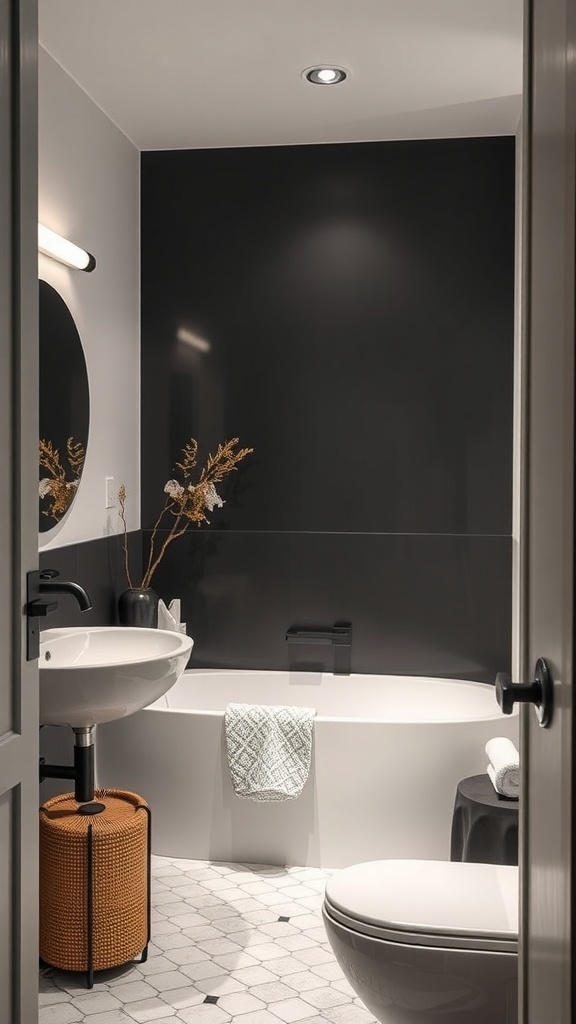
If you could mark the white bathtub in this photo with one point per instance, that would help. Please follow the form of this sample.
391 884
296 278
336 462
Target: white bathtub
388 753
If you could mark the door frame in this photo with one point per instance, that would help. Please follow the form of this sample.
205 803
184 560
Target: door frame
23 450
546 556
19 793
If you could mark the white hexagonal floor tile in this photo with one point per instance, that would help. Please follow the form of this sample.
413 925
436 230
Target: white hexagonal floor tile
233 944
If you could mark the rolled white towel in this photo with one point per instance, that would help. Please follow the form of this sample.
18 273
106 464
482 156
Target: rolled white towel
504 767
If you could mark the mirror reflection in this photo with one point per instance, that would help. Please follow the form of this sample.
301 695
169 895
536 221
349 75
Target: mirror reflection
64 408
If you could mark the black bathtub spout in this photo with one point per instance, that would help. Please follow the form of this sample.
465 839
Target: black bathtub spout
339 637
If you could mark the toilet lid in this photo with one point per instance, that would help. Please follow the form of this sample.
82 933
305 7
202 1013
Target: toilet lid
429 902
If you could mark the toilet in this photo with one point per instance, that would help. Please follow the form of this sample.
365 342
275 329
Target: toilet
427 942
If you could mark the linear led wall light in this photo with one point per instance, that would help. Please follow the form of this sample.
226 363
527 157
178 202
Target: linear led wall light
64 251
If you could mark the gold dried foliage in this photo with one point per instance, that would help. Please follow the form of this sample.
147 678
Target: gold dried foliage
58 487
76 455
189 453
186 502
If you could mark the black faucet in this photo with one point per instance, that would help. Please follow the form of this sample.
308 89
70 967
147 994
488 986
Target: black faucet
339 637
49 584
37 607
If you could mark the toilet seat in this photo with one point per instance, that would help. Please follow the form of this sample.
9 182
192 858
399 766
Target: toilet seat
446 904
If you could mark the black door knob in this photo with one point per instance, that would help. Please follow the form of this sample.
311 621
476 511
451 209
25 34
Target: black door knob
539 693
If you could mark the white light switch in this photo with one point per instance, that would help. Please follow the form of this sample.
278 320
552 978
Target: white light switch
110 492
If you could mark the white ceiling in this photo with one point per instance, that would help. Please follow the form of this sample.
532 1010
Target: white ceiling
182 74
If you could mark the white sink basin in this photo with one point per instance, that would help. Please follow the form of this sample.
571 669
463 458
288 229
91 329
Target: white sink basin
93 675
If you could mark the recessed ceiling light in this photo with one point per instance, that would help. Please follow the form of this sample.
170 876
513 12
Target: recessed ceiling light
325 74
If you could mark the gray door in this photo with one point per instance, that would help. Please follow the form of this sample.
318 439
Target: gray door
547 815
18 512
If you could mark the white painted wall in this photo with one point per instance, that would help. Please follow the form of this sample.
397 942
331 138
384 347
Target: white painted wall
89 191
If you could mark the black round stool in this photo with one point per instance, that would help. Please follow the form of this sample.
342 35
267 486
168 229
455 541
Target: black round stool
484 824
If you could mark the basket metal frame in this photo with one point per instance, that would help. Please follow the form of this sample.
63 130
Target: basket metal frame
90 895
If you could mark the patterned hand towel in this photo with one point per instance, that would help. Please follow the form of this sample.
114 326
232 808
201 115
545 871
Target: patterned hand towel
269 749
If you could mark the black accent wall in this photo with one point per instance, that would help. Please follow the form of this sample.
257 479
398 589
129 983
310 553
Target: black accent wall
349 315
98 566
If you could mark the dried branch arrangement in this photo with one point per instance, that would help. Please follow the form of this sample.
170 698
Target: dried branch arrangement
186 502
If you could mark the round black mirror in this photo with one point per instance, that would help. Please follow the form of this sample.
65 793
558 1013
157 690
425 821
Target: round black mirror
64 408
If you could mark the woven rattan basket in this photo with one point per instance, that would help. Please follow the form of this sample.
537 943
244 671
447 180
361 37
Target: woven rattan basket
94 881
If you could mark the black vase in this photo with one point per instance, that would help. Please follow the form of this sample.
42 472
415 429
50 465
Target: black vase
138 607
